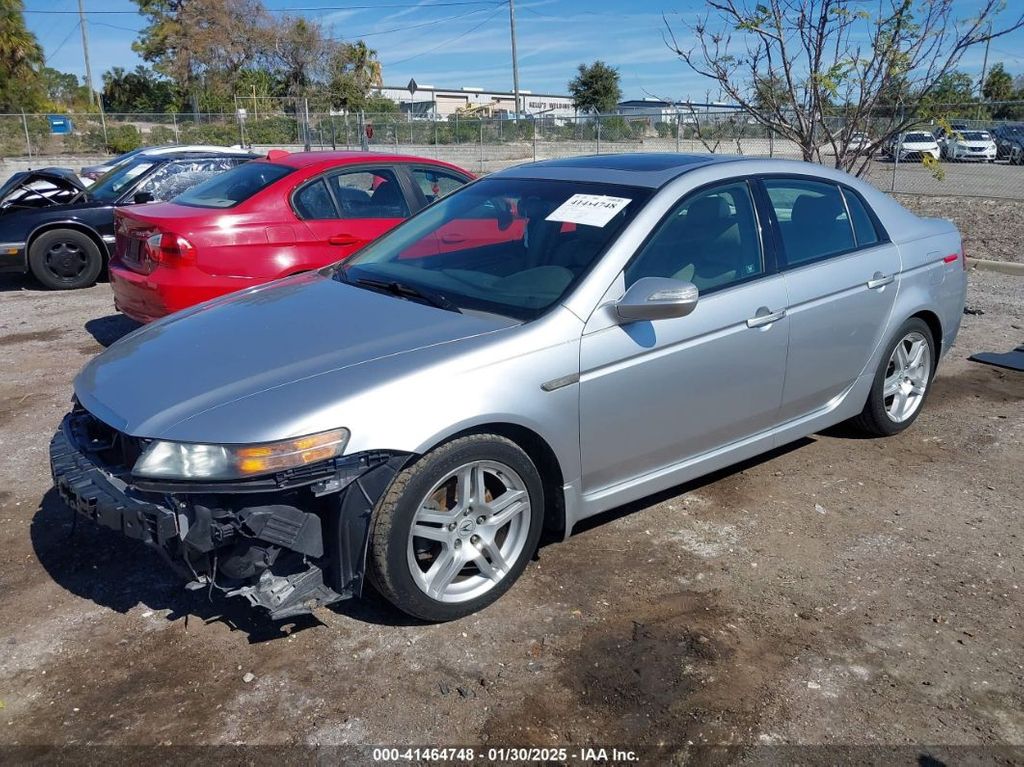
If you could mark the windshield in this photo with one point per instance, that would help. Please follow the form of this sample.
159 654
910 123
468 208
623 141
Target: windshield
507 246
115 182
975 135
919 138
235 186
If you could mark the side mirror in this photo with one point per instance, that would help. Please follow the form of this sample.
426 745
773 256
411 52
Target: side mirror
657 298
143 197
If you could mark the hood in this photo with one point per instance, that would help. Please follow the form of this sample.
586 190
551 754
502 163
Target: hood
38 188
265 338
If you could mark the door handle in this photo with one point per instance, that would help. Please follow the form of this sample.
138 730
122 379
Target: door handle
452 239
343 239
879 280
764 317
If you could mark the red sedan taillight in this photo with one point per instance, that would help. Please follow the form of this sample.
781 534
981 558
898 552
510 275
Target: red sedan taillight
168 249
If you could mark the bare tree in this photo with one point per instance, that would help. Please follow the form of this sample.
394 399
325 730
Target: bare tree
818 71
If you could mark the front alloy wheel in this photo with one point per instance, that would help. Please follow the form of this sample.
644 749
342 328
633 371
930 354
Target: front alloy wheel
456 528
467 529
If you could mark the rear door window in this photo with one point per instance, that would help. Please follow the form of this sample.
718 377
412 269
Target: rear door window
812 219
314 202
436 183
369 193
863 226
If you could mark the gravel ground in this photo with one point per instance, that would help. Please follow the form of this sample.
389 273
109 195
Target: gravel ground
837 591
993 229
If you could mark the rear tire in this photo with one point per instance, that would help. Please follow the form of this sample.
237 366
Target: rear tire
65 259
901 383
456 528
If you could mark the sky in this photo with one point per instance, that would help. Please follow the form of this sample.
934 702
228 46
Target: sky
456 43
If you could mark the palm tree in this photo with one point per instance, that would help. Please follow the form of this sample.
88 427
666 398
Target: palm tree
21 59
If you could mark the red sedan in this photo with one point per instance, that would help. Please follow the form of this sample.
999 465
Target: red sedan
263 220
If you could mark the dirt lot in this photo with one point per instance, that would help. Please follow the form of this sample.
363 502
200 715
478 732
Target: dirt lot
992 228
840 591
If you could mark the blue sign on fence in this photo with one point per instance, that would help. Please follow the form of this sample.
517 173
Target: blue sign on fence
60 125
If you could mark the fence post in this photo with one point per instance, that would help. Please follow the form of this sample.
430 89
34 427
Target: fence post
174 119
895 162
456 127
534 125
771 142
305 124
599 134
28 141
481 146
678 130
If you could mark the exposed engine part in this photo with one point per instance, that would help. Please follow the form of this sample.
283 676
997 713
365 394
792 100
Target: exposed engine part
290 595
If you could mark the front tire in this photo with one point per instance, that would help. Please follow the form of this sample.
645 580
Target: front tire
65 259
901 382
456 528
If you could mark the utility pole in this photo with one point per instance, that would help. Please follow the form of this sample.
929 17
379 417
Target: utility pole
85 50
515 57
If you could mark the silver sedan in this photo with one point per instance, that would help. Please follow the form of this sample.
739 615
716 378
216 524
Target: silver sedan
547 343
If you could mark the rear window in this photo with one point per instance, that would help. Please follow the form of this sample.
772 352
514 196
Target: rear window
234 186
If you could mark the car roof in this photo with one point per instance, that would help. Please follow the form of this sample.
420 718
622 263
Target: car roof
645 169
172 148
187 154
308 159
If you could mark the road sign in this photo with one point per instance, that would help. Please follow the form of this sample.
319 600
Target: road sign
412 86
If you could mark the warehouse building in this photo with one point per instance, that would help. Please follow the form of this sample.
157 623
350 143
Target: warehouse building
427 102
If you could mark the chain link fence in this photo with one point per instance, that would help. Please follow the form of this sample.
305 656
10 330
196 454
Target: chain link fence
485 144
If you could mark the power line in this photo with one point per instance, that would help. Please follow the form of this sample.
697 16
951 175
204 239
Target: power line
446 42
63 42
412 26
300 9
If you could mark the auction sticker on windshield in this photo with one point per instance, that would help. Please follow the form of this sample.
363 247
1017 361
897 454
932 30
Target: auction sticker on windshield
588 209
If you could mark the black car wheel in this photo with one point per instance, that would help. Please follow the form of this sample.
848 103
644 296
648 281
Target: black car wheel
65 259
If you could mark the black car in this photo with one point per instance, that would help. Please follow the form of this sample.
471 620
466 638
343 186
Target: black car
63 232
1009 142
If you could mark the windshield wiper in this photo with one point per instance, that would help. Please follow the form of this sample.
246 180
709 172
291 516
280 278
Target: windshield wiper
403 290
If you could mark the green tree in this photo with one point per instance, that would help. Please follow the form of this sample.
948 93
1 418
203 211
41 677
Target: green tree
998 84
21 61
203 45
845 65
141 90
64 91
595 88
354 71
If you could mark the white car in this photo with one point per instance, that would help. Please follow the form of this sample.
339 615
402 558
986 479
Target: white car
915 145
970 145
859 142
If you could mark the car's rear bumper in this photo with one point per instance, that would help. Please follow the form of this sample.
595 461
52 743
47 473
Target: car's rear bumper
285 543
148 297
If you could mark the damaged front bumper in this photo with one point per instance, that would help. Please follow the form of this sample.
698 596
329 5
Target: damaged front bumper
287 542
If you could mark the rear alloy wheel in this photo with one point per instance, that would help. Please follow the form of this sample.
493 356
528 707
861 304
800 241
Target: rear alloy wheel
901 382
457 528
65 259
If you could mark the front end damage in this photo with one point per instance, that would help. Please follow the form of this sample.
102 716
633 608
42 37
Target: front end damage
287 542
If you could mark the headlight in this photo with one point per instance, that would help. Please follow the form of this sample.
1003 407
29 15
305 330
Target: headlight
184 460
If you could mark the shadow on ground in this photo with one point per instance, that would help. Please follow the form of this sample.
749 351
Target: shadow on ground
113 327
119 573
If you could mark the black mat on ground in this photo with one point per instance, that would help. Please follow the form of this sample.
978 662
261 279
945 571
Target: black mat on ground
1010 360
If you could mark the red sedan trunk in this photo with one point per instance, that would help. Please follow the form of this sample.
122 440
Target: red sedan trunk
262 221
